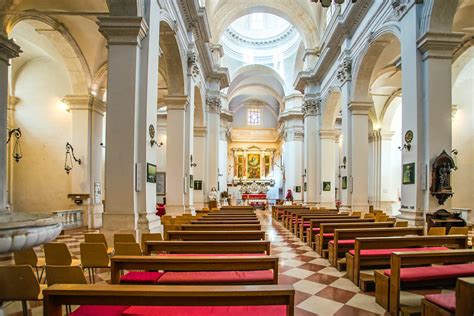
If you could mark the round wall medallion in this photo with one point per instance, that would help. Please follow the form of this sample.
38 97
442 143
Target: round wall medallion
409 136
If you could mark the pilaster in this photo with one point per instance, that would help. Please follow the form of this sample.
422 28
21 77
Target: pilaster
312 149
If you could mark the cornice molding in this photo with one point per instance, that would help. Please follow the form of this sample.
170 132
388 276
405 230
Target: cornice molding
123 30
8 49
439 45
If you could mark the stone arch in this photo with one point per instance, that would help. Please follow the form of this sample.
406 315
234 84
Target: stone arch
438 16
66 46
330 109
364 67
126 7
260 70
172 60
301 18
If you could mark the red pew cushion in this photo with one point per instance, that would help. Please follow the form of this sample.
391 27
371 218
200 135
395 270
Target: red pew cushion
446 301
141 277
388 252
329 235
212 254
203 277
89 310
274 310
435 272
344 241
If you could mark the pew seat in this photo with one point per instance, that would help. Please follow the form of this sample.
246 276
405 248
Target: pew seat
140 277
206 310
388 252
452 271
344 242
445 301
103 310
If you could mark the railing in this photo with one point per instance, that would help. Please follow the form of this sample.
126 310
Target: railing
72 218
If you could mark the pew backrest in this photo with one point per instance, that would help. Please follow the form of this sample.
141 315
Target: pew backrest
208 247
220 227
216 235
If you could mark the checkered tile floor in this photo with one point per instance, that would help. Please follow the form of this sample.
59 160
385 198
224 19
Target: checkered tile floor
320 288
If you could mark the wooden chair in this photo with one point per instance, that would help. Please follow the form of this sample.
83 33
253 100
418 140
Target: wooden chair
459 231
401 224
121 238
29 257
65 275
437 231
57 254
381 218
356 214
150 237
127 249
369 215
19 283
94 255
95 238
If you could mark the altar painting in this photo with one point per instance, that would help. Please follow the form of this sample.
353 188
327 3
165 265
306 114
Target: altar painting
253 166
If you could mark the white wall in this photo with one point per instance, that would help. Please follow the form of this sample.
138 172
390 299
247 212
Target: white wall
463 137
40 183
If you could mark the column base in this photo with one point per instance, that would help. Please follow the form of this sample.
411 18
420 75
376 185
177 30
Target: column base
360 208
149 223
190 210
114 223
414 217
328 204
174 210
94 216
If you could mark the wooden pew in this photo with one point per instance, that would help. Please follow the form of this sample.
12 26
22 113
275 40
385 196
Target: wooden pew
388 287
224 221
194 264
340 245
305 222
295 217
463 300
326 232
229 216
220 227
287 213
356 261
277 210
208 247
150 295
237 207
237 211
314 227
215 235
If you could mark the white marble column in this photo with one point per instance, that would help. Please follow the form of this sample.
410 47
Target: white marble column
224 134
87 126
200 171
189 135
8 50
312 148
328 166
213 105
374 162
388 183
123 173
293 159
426 108
358 181
176 160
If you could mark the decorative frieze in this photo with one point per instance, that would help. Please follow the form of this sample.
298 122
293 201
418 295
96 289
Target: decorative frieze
193 65
312 107
213 104
344 73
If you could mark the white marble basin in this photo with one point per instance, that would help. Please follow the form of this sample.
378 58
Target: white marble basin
24 230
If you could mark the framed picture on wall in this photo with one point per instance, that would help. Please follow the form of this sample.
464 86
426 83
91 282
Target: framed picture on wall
198 185
408 175
326 186
298 188
344 183
305 187
161 183
150 173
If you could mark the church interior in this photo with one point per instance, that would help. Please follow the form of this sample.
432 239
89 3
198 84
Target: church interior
237 158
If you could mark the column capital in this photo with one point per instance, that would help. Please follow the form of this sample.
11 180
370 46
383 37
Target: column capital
213 104
176 102
200 131
123 30
293 133
328 134
77 102
360 108
439 45
227 116
12 102
8 49
387 135
344 72
311 106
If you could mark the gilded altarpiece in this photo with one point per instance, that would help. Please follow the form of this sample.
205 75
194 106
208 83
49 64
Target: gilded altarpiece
253 163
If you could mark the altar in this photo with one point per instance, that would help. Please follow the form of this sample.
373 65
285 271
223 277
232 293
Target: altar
256 200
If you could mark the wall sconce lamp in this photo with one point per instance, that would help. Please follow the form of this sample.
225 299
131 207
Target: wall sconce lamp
193 164
344 160
304 174
151 132
68 162
408 140
455 158
102 145
17 155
